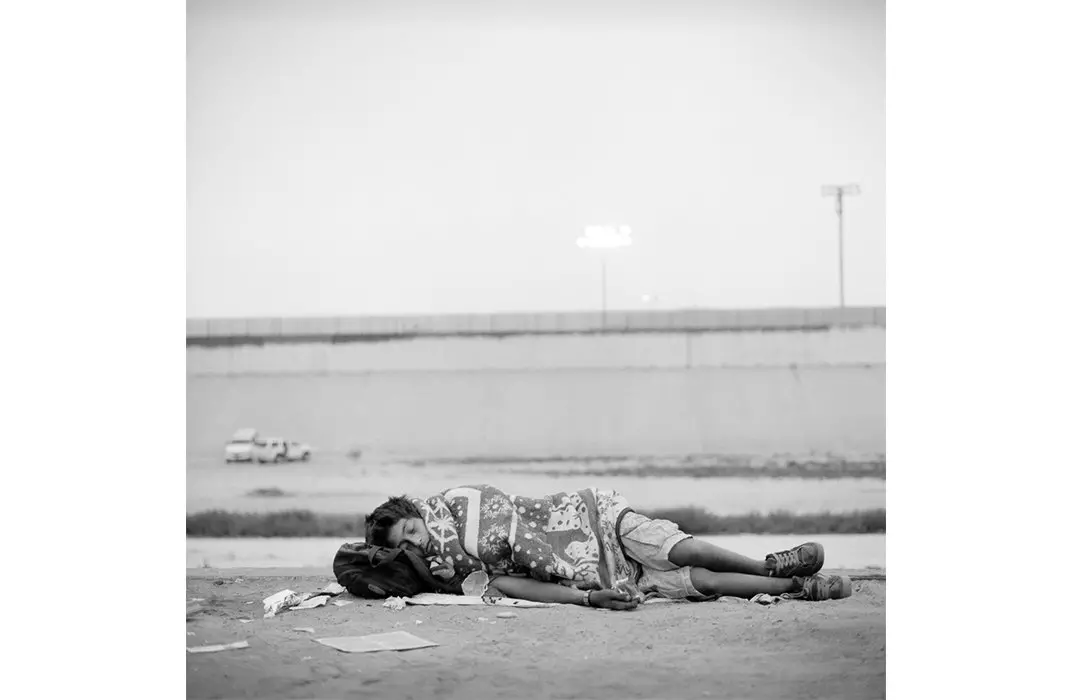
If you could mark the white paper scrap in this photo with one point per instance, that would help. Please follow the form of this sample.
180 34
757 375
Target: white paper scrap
312 603
389 641
279 601
217 647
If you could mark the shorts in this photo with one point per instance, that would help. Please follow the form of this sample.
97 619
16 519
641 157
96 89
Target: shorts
648 542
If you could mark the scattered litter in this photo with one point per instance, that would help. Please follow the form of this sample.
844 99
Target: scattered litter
306 658
341 603
195 600
479 619
395 603
239 580
217 647
389 641
310 630
243 620
475 584
280 596
312 603
766 599
418 622
250 602
331 589
281 600
506 615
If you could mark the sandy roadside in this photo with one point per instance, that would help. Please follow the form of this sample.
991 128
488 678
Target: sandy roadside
727 648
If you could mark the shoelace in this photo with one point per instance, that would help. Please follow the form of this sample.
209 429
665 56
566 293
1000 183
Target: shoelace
785 560
809 589
802 593
819 588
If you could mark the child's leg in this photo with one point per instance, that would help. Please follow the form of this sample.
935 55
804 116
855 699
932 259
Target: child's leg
715 559
739 585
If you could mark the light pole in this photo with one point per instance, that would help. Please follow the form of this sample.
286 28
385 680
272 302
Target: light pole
604 239
603 306
839 192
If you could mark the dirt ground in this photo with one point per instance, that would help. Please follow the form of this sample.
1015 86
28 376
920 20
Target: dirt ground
728 648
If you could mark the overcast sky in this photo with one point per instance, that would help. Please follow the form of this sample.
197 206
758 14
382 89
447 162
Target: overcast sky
349 157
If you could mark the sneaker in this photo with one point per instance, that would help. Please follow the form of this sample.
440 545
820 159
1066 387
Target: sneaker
803 560
822 587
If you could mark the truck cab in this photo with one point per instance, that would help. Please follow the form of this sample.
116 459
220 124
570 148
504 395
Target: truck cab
242 446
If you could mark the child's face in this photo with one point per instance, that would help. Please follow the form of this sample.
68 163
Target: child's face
409 533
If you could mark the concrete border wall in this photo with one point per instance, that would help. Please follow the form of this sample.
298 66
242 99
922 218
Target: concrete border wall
546 352
770 382
833 411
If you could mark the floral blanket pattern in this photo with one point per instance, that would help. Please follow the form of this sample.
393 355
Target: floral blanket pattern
570 538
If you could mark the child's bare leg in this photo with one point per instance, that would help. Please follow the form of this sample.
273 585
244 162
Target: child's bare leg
739 585
694 552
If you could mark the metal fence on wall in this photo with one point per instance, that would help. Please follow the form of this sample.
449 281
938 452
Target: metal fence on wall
211 331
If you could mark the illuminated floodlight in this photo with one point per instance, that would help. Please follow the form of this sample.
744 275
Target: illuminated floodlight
606 236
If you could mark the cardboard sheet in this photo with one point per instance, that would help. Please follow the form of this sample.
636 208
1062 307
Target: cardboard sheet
390 641
217 647
448 599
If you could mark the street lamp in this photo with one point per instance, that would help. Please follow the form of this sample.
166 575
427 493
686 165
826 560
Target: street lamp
839 191
605 238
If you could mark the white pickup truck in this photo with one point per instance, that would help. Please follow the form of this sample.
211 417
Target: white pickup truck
247 445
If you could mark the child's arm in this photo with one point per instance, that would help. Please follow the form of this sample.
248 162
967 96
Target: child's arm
525 588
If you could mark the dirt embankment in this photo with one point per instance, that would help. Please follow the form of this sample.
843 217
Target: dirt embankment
728 648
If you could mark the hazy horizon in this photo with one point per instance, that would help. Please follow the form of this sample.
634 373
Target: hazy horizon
369 158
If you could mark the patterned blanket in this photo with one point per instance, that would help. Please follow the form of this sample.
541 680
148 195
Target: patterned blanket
566 538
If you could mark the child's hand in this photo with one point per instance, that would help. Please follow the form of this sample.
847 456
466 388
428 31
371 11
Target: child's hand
630 589
440 568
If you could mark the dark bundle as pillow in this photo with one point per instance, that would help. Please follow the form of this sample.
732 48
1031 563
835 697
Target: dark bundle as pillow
368 571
